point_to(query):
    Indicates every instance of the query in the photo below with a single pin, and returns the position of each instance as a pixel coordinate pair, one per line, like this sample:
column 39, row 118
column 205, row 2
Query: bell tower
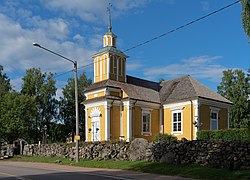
column 109, row 62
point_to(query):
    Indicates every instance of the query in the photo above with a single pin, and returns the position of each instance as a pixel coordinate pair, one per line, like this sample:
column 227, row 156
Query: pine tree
column 235, row 87
column 245, row 14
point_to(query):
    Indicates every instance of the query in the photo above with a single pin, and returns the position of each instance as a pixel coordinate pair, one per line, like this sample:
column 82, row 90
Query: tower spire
column 109, row 17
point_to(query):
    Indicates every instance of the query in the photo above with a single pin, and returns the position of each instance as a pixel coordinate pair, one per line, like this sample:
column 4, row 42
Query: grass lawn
column 193, row 171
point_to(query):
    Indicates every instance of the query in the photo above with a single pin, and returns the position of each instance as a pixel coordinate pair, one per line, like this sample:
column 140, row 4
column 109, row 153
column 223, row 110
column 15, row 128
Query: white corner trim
column 177, row 108
column 107, row 121
column 100, row 68
column 196, row 118
column 86, row 124
column 121, row 122
column 214, row 103
column 108, row 67
column 128, row 105
column 94, row 104
column 161, row 120
column 94, row 70
column 95, row 92
column 177, row 104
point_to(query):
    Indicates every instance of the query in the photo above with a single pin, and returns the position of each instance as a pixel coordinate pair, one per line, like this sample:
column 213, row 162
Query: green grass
column 192, row 171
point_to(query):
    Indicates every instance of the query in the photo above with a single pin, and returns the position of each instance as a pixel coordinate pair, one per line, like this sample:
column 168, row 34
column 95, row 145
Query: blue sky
column 74, row 28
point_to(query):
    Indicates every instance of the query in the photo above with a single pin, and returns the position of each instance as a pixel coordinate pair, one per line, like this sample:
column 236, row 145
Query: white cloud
column 79, row 38
column 95, row 41
column 133, row 66
column 59, row 93
column 18, row 54
column 93, row 10
column 199, row 67
column 55, row 28
column 16, row 84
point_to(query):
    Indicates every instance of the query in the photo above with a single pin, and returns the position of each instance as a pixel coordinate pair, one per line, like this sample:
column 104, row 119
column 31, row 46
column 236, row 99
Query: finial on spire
column 109, row 17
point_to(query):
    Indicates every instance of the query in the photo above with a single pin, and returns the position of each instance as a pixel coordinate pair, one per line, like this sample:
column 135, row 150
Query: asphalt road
column 43, row 171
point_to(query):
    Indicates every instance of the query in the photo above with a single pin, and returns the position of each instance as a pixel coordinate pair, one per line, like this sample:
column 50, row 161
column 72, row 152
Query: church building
column 122, row 107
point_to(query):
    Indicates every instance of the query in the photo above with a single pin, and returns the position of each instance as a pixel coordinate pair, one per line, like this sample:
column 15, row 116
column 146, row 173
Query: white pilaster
column 108, row 67
column 100, row 69
column 121, row 123
column 196, row 117
column 129, row 121
column 86, row 124
column 107, row 121
column 160, row 123
column 94, row 70
column 97, row 66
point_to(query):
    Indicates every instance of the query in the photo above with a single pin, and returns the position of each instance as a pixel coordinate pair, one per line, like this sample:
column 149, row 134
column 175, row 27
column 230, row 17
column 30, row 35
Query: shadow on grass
column 193, row 171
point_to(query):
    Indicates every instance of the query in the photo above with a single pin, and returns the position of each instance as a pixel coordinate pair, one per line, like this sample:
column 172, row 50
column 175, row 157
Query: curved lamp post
column 77, row 137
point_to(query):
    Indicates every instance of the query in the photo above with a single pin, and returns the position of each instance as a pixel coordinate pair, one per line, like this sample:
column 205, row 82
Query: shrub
column 165, row 137
column 226, row 135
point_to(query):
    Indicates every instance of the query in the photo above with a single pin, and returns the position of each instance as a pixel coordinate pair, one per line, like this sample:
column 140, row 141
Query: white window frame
column 146, row 112
column 176, row 112
column 214, row 110
column 214, row 120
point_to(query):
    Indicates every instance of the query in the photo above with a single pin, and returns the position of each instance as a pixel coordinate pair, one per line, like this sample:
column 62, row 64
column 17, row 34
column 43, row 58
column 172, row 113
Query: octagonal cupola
column 109, row 39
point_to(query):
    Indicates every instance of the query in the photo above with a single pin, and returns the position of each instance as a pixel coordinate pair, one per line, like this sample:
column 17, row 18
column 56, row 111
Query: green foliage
column 226, row 135
column 42, row 87
column 17, row 115
column 4, row 83
column 67, row 105
column 165, row 137
column 245, row 15
column 235, row 86
column 58, row 132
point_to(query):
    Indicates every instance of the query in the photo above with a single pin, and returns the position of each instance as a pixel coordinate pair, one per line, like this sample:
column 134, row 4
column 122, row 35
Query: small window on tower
column 115, row 65
column 109, row 40
column 123, row 66
column 114, row 42
column 111, row 64
column 120, row 66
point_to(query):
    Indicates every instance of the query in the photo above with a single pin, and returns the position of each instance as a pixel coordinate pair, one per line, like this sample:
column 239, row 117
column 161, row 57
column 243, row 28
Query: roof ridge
column 209, row 93
column 191, row 81
column 176, row 78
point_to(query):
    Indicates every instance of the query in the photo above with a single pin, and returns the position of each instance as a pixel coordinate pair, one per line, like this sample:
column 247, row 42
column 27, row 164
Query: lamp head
column 37, row 45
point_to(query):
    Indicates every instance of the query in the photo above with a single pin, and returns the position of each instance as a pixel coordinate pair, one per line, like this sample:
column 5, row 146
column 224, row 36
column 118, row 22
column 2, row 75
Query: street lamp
column 77, row 137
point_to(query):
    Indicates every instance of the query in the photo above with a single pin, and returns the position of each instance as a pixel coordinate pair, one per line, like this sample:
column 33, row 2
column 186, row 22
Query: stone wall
column 229, row 155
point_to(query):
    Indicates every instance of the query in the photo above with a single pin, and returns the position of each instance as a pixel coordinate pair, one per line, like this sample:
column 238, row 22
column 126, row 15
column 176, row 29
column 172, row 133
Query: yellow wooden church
column 122, row 107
